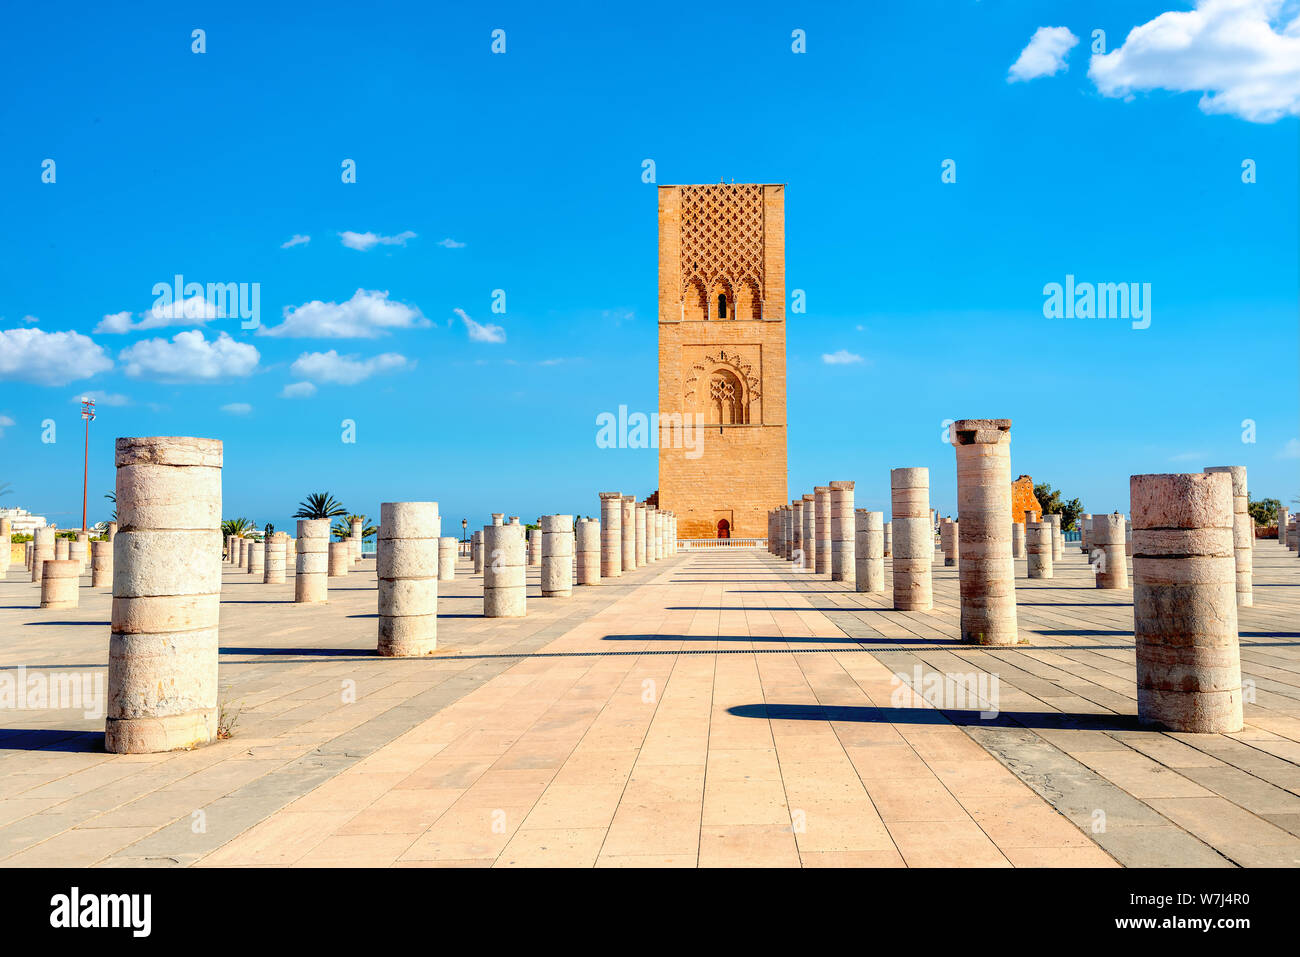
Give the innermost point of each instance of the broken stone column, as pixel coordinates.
(869, 550)
(557, 556)
(357, 527)
(797, 553)
(1058, 537)
(809, 516)
(60, 549)
(112, 530)
(611, 535)
(162, 650)
(1038, 543)
(101, 564)
(1292, 537)
(948, 541)
(889, 539)
(1185, 602)
(311, 571)
(504, 576)
(638, 530)
(277, 558)
(340, 559)
(628, 532)
(1243, 533)
(6, 546)
(476, 551)
(986, 568)
(79, 551)
(1128, 538)
(59, 580)
(257, 558)
(1107, 542)
(1018, 551)
(820, 553)
(1283, 516)
(448, 546)
(843, 568)
(1085, 531)
(535, 545)
(406, 563)
(230, 550)
(913, 539)
(42, 550)
(787, 532)
(590, 549)
(27, 555)
(651, 535)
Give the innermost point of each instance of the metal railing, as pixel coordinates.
(694, 544)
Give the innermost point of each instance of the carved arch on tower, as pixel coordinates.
(724, 388)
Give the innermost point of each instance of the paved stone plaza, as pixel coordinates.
(714, 709)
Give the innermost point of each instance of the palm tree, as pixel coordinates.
(112, 497)
(239, 527)
(320, 505)
(343, 529)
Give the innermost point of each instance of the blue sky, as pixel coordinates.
(522, 171)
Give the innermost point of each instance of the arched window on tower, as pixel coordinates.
(722, 305)
(727, 399)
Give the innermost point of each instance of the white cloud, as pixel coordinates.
(364, 241)
(31, 320)
(345, 370)
(50, 358)
(188, 357)
(450, 243)
(480, 331)
(841, 357)
(366, 315)
(297, 240)
(1045, 54)
(115, 322)
(1291, 450)
(298, 390)
(110, 399)
(237, 408)
(5, 422)
(1189, 457)
(1242, 56)
(194, 311)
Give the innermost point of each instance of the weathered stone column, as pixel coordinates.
(638, 530)
(611, 535)
(1292, 537)
(674, 533)
(557, 556)
(1058, 537)
(651, 534)
(447, 548)
(1038, 542)
(257, 558)
(476, 551)
(809, 516)
(628, 532)
(843, 568)
(112, 530)
(60, 549)
(661, 535)
(889, 539)
(277, 559)
(79, 550)
(590, 551)
(535, 545)
(1283, 516)
(820, 553)
(787, 523)
(1107, 543)
(59, 580)
(1243, 534)
(358, 526)
(42, 550)
(1018, 550)
(242, 560)
(27, 555)
(986, 568)
(162, 649)
(230, 550)
(6, 546)
(406, 562)
(504, 577)
(869, 550)
(797, 552)
(948, 541)
(913, 538)
(1085, 531)
(101, 564)
(311, 581)
(1185, 602)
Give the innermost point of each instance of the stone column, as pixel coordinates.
(819, 554)
(1058, 537)
(59, 580)
(1128, 538)
(447, 548)
(651, 535)
(948, 541)
(1018, 551)
(60, 549)
(1283, 516)
(277, 558)
(987, 570)
(6, 546)
(79, 549)
(406, 562)
(843, 568)
(809, 531)
(242, 561)
(913, 538)
(101, 564)
(1085, 529)
(112, 530)
(230, 550)
(611, 535)
(1292, 537)
(27, 556)
(535, 545)
(638, 528)
(257, 558)
(797, 553)
(889, 539)
(340, 558)
(590, 546)
(358, 526)
(311, 582)
(1106, 541)
(42, 550)
(628, 533)
(557, 556)
(504, 578)
(1185, 602)
(1243, 534)
(786, 520)
(869, 550)
(1038, 542)
(162, 650)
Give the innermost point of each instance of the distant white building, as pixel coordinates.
(23, 520)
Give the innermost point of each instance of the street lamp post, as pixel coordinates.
(87, 413)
